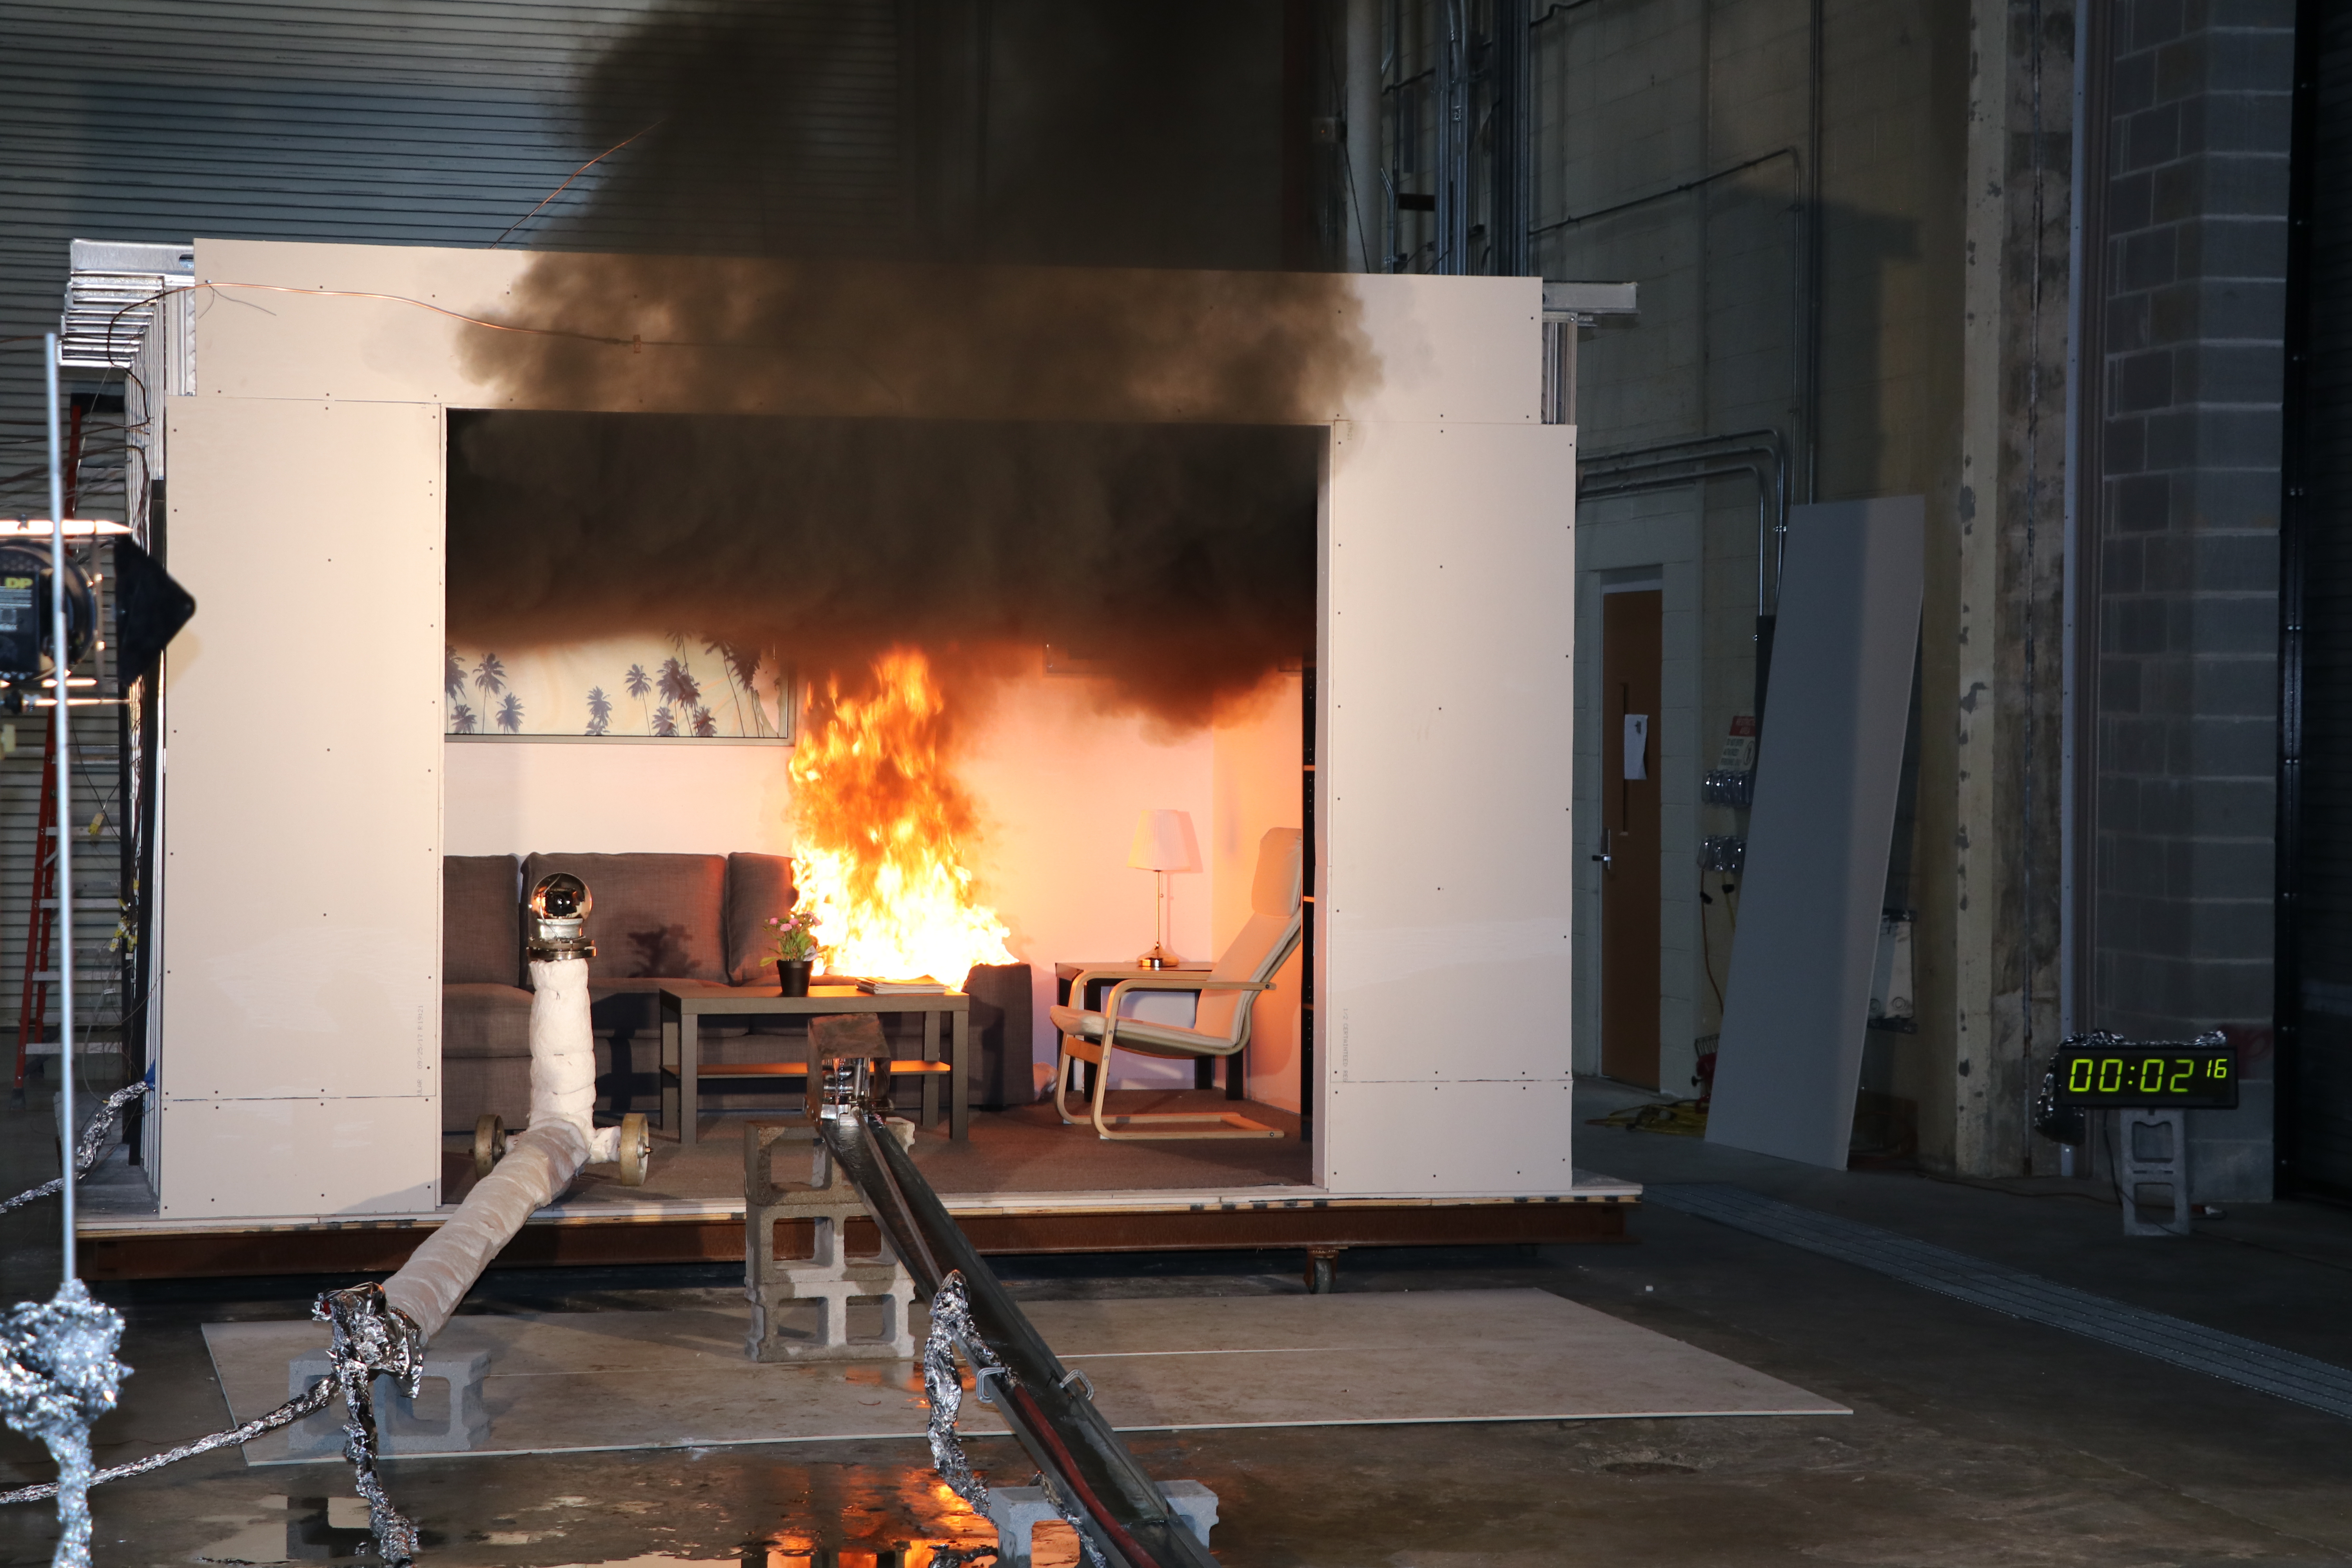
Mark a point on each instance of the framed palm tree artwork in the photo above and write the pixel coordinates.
(672, 691)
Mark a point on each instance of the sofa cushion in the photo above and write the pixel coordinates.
(759, 889)
(480, 1020)
(481, 921)
(658, 915)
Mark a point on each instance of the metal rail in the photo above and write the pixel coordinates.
(1049, 1407)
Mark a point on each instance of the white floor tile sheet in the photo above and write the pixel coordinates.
(575, 1382)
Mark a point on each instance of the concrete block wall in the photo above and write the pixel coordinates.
(1632, 103)
(2191, 291)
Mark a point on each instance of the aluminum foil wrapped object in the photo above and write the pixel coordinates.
(371, 1336)
(57, 1375)
(93, 1142)
(953, 1330)
(321, 1396)
(943, 1382)
(564, 1055)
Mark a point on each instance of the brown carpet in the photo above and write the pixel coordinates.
(1026, 1150)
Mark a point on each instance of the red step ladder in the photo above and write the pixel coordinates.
(40, 931)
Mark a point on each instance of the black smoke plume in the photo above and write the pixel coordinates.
(802, 399)
(1177, 560)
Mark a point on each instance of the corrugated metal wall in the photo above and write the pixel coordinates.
(377, 122)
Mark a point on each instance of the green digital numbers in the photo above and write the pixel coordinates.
(2148, 1076)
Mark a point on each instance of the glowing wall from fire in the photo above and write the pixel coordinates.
(297, 1028)
(1058, 783)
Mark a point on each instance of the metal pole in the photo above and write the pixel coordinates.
(58, 647)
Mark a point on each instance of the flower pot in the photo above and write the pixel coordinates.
(793, 976)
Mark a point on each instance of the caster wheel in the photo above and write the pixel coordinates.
(637, 1151)
(489, 1143)
(1322, 1271)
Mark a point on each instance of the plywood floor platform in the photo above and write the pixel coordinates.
(1023, 1182)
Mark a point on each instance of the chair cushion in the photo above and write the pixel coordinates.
(1141, 1035)
(481, 921)
(658, 915)
(480, 1020)
(759, 886)
(1281, 864)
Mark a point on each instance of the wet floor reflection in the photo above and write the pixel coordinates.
(864, 1516)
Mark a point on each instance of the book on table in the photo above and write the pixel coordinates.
(921, 986)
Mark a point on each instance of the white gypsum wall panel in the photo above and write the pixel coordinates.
(1446, 841)
(1445, 348)
(298, 1158)
(301, 834)
(1828, 771)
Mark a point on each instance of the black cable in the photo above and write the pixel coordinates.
(575, 174)
(1687, 186)
(1706, 942)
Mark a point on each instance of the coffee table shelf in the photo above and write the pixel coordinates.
(685, 1003)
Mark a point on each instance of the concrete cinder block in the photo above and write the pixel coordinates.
(802, 1306)
(1017, 1512)
(399, 1429)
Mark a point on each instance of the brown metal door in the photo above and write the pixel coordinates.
(1629, 679)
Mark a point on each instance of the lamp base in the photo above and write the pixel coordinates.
(1158, 957)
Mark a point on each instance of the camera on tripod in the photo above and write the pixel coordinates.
(27, 654)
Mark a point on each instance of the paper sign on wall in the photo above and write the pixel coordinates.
(1637, 745)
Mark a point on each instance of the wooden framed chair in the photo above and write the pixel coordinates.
(1220, 1023)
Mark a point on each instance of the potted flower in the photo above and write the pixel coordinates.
(795, 938)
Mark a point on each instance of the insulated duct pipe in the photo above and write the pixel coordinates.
(541, 1161)
(1760, 454)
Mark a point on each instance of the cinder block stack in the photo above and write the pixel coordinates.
(800, 1306)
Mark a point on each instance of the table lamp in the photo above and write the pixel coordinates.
(1163, 843)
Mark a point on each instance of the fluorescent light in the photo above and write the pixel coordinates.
(76, 527)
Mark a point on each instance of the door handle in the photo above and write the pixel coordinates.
(1604, 858)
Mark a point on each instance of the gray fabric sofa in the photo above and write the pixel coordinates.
(656, 918)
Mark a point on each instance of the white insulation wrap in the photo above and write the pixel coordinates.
(563, 1054)
(540, 1163)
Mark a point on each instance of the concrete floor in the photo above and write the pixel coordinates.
(1976, 1440)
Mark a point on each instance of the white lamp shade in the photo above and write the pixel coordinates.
(1164, 842)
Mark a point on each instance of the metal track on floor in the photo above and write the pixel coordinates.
(2250, 1363)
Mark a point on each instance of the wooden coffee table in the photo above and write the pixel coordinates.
(685, 1003)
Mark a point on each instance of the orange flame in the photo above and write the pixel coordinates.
(879, 825)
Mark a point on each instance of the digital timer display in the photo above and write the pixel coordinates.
(2172, 1076)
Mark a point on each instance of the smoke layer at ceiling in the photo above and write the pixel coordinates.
(961, 506)
(1177, 560)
